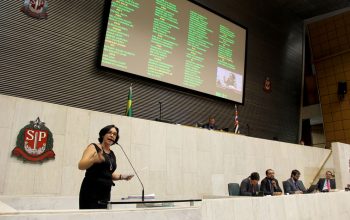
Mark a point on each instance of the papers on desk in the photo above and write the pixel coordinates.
(133, 197)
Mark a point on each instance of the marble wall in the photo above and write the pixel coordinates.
(341, 154)
(310, 206)
(171, 159)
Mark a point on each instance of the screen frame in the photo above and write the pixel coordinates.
(174, 87)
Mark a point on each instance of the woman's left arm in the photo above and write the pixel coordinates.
(119, 176)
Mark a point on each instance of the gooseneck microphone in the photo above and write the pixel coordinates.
(143, 189)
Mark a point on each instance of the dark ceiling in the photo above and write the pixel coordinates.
(305, 9)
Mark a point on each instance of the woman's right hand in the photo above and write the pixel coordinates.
(90, 156)
(98, 157)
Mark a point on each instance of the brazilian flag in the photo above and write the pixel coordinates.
(129, 105)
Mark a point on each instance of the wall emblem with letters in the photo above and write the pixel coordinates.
(35, 8)
(34, 142)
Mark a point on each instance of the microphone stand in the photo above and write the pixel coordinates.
(143, 189)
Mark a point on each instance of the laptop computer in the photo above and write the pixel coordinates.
(311, 189)
(259, 193)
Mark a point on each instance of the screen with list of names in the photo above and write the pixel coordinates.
(177, 42)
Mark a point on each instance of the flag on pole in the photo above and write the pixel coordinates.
(236, 120)
(129, 104)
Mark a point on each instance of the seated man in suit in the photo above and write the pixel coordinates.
(211, 124)
(326, 184)
(293, 185)
(250, 185)
(269, 185)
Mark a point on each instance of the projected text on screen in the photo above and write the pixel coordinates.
(177, 42)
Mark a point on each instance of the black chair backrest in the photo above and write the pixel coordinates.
(233, 189)
(284, 183)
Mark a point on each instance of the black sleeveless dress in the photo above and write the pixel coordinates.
(97, 183)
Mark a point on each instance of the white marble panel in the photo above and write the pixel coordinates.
(49, 203)
(204, 165)
(7, 106)
(229, 168)
(261, 208)
(124, 125)
(274, 207)
(204, 185)
(26, 111)
(5, 153)
(140, 131)
(190, 185)
(146, 214)
(218, 209)
(219, 186)
(238, 144)
(49, 173)
(228, 143)
(174, 171)
(341, 155)
(243, 209)
(204, 140)
(174, 135)
(73, 148)
(55, 118)
(154, 148)
(157, 155)
(217, 154)
(71, 180)
(158, 183)
(19, 178)
(4, 208)
(269, 164)
(290, 203)
(78, 123)
(189, 150)
(140, 160)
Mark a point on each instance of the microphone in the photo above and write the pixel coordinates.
(143, 188)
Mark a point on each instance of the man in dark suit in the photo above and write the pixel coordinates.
(211, 124)
(326, 184)
(269, 185)
(250, 185)
(293, 185)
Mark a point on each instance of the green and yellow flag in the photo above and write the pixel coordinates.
(129, 105)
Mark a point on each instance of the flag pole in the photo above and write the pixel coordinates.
(129, 103)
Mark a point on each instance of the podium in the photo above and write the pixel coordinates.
(153, 203)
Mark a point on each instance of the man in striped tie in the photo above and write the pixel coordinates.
(326, 184)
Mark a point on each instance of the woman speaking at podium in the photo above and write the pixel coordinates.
(100, 164)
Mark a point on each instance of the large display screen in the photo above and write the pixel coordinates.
(177, 42)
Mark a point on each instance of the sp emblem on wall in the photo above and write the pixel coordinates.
(34, 142)
(35, 8)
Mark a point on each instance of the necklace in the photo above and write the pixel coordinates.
(108, 158)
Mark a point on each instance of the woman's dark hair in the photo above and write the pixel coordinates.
(105, 130)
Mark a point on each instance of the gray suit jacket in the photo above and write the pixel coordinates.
(290, 187)
(246, 189)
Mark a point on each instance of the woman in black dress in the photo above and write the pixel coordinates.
(100, 164)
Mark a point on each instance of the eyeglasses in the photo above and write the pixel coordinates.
(112, 133)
